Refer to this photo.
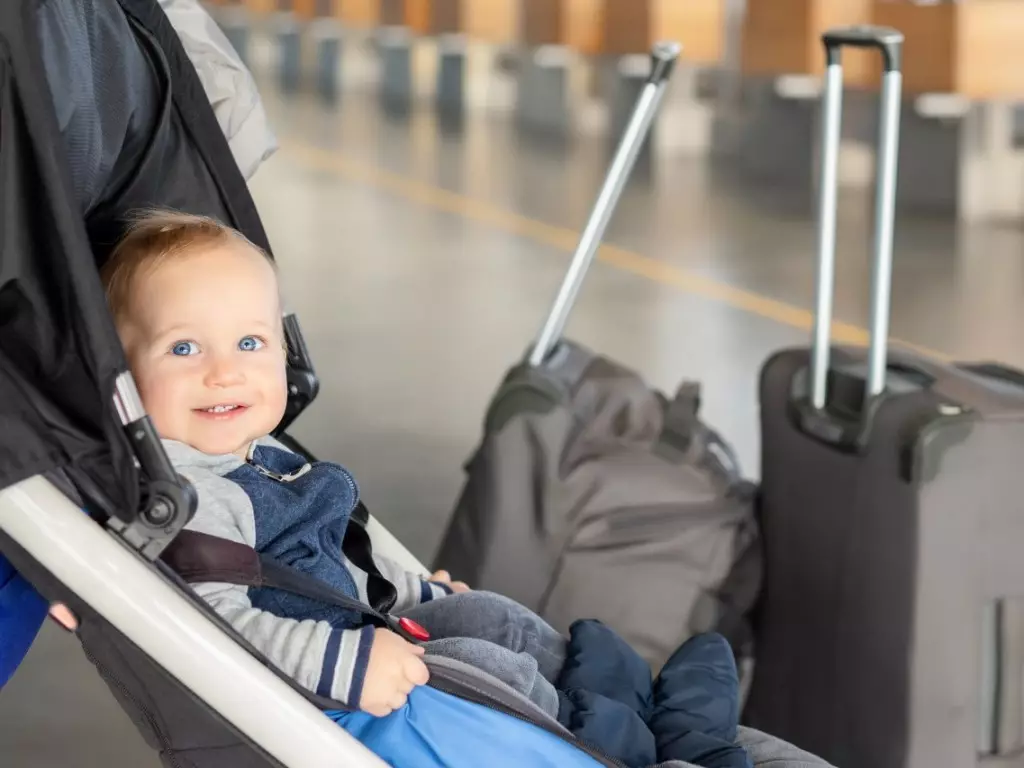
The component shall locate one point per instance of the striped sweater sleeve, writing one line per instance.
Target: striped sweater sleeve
(326, 661)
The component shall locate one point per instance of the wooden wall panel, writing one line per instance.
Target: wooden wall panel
(581, 21)
(698, 24)
(573, 23)
(989, 49)
(784, 36)
(492, 21)
(359, 13)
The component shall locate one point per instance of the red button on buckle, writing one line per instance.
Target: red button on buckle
(414, 629)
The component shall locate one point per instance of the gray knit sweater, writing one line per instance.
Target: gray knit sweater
(300, 522)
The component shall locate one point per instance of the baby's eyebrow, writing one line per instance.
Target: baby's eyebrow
(170, 330)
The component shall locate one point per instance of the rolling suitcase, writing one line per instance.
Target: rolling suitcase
(889, 629)
(591, 495)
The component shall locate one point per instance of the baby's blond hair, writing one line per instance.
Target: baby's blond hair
(154, 235)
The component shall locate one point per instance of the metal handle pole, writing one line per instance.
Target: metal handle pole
(889, 43)
(885, 215)
(828, 191)
(663, 58)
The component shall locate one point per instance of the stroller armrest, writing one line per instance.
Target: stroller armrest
(385, 543)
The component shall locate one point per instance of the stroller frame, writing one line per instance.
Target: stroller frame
(176, 632)
(105, 566)
(100, 553)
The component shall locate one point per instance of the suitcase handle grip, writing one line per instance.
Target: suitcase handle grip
(887, 40)
(663, 60)
(890, 43)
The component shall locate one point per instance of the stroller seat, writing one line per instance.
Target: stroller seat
(88, 500)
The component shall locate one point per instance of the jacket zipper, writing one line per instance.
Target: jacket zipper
(477, 698)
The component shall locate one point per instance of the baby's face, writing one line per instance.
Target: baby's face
(204, 341)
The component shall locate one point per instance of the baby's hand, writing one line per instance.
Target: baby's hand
(443, 577)
(395, 668)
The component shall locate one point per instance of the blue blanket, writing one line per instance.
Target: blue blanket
(22, 611)
(689, 713)
(607, 699)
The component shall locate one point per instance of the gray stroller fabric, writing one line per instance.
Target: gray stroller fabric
(105, 93)
(591, 496)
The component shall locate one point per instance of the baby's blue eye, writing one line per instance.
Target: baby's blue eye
(250, 343)
(184, 348)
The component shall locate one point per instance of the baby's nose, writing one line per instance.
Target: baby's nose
(224, 373)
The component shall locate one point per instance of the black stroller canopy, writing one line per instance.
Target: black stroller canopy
(80, 149)
(120, 123)
(59, 355)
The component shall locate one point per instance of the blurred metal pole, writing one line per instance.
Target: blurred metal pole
(395, 48)
(960, 159)
(542, 98)
(327, 35)
(631, 74)
(288, 32)
(235, 23)
(777, 138)
(451, 73)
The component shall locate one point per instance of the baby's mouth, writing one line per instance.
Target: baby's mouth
(222, 411)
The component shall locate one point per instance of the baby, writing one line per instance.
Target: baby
(198, 310)
(199, 314)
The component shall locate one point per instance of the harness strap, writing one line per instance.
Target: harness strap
(358, 548)
(198, 557)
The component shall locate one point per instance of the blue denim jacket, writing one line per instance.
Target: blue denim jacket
(301, 523)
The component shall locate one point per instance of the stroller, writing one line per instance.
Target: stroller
(90, 505)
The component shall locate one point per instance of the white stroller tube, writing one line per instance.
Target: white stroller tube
(173, 632)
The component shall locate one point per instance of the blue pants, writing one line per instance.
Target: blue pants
(604, 692)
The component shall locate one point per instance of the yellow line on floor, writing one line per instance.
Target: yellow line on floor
(565, 239)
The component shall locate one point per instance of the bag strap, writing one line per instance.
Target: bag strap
(198, 557)
(685, 434)
(682, 412)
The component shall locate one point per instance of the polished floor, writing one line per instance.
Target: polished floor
(421, 259)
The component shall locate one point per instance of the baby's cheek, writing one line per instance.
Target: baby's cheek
(162, 400)
(280, 388)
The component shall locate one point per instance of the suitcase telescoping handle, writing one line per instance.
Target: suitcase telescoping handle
(889, 43)
(663, 59)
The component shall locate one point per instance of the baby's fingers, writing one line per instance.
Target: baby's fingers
(416, 672)
(377, 710)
